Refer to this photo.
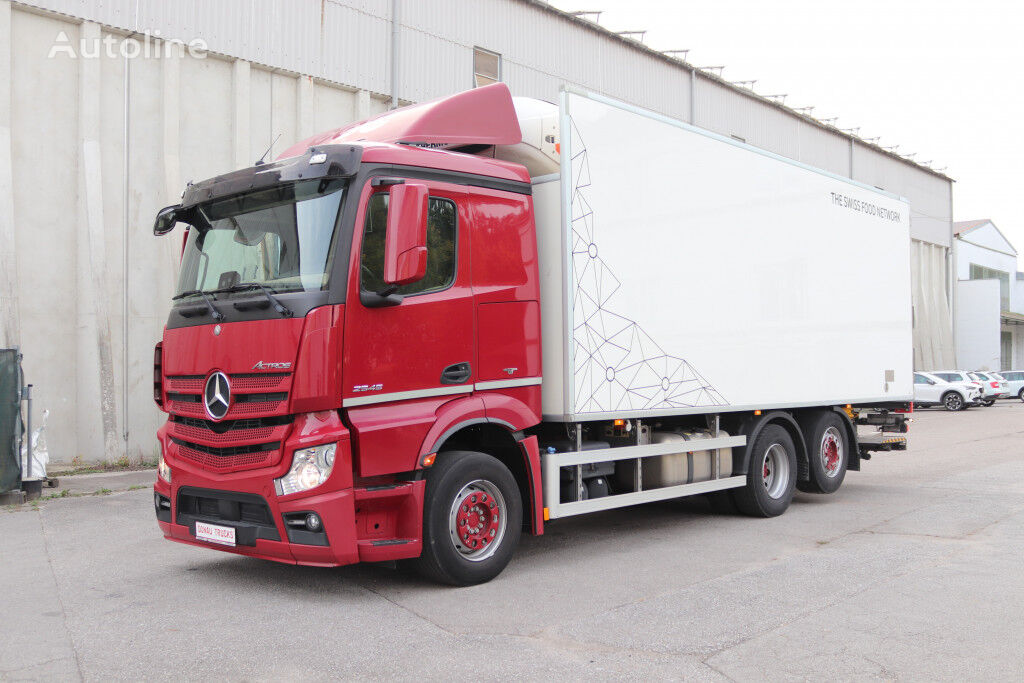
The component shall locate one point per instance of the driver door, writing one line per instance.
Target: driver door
(402, 361)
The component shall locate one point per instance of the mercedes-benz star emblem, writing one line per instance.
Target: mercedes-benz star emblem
(217, 395)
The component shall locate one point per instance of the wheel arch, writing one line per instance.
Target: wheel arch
(751, 427)
(499, 440)
(953, 390)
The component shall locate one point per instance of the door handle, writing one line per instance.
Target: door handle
(456, 374)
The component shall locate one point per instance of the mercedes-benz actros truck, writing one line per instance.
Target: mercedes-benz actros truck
(419, 336)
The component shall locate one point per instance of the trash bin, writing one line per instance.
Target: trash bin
(10, 420)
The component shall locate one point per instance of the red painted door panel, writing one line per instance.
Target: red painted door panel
(404, 349)
(509, 340)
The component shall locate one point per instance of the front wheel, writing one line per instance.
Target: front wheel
(771, 474)
(1020, 395)
(472, 519)
(953, 401)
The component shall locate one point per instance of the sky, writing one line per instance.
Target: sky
(943, 80)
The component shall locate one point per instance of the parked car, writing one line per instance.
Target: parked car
(995, 386)
(1014, 382)
(963, 376)
(932, 390)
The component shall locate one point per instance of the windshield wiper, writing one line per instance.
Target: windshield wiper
(217, 315)
(244, 286)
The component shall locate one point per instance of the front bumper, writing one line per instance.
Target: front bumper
(247, 502)
(269, 538)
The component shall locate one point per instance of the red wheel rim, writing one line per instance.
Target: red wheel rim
(477, 520)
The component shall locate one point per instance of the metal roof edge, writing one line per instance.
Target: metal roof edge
(679, 63)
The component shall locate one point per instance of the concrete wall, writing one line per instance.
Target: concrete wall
(977, 321)
(90, 148)
(87, 157)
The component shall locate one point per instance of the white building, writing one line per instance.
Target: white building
(990, 299)
(101, 125)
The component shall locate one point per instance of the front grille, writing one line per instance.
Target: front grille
(229, 458)
(228, 425)
(181, 400)
(246, 381)
(185, 382)
(250, 435)
(210, 436)
(262, 380)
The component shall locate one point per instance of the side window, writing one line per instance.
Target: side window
(945, 376)
(442, 230)
(918, 379)
(486, 67)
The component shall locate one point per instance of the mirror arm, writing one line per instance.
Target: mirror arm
(381, 181)
(372, 300)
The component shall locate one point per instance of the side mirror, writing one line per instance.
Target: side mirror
(405, 244)
(166, 218)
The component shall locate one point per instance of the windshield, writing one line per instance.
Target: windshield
(280, 238)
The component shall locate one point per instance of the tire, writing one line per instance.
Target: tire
(989, 403)
(953, 401)
(463, 488)
(771, 474)
(828, 452)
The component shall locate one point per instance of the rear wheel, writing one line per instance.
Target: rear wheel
(828, 454)
(988, 402)
(472, 519)
(953, 401)
(771, 475)
(1020, 395)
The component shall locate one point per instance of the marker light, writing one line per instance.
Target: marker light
(310, 468)
(163, 471)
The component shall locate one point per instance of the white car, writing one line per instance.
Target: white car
(1014, 382)
(995, 386)
(955, 376)
(932, 390)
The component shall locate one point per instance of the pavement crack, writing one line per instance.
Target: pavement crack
(33, 666)
(60, 598)
(410, 610)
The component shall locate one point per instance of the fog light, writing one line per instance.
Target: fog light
(313, 521)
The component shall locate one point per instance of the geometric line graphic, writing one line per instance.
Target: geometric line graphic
(618, 366)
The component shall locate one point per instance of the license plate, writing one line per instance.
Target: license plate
(224, 535)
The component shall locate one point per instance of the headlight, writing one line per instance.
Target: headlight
(163, 471)
(310, 468)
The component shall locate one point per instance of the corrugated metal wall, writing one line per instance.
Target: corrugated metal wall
(288, 67)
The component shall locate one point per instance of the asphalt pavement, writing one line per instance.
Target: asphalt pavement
(911, 571)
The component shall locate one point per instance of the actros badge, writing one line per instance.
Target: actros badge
(263, 365)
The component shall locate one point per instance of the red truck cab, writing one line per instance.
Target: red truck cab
(344, 314)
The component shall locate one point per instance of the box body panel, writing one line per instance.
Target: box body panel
(694, 273)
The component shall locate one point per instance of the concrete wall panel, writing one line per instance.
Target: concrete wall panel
(45, 157)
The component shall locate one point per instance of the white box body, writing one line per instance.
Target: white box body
(684, 272)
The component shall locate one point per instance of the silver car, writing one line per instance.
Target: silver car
(1014, 382)
(995, 386)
